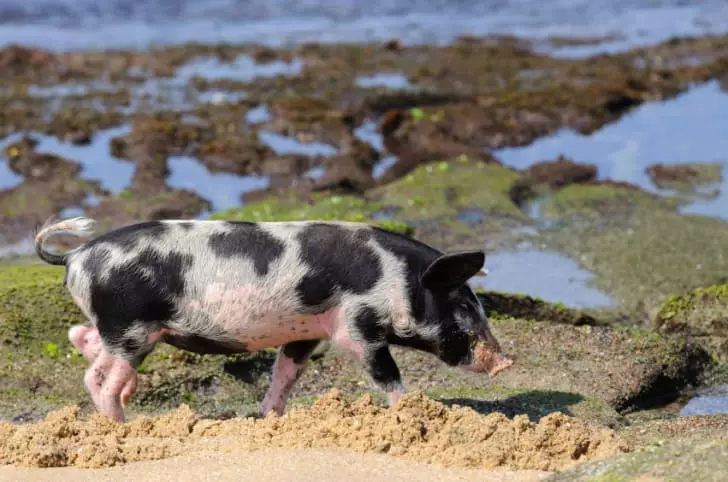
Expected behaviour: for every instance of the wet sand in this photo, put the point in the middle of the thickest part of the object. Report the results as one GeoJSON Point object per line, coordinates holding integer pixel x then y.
{"type": "Point", "coordinates": [300, 465]}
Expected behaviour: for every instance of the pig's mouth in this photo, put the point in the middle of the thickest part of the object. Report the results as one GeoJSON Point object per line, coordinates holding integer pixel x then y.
{"type": "Point", "coordinates": [487, 360]}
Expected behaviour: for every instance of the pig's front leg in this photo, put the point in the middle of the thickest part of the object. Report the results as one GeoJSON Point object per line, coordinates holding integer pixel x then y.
{"type": "Point", "coordinates": [289, 365]}
{"type": "Point", "coordinates": [366, 339]}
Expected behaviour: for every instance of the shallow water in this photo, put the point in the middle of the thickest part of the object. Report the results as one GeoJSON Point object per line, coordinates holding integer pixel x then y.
{"type": "Point", "coordinates": [368, 132]}
{"type": "Point", "coordinates": [388, 80]}
{"type": "Point", "coordinates": [78, 24]}
{"type": "Point", "coordinates": [258, 115]}
{"type": "Point", "coordinates": [8, 179]}
{"type": "Point", "coordinates": [223, 190]}
{"type": "Point", "coordinates": [95, 159]}
{"type": "Point", "coordinates": [542, 274]}
{"type": "Point", "coordinates": [283, 145]}
{"type": "Point", "coordinates": [689, 128]}
{"type": "Point", "coordinates": [244, 68]}
{"type": "Point", "coordinates": [711, 402]}
{"type": "Point", "coordinates": [716, 207]}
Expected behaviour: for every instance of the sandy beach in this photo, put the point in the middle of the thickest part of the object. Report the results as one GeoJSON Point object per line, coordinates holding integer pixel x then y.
{"type": "Point", "coordinates": [300, 465]}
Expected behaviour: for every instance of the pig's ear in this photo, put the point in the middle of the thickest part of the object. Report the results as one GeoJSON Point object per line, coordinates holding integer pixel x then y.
{"type": "Point", "coordinates": [452, 270]}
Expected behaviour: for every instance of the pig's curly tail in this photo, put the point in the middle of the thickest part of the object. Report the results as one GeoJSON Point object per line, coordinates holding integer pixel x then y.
{"type": "Point", "coordinates": [80, 226]}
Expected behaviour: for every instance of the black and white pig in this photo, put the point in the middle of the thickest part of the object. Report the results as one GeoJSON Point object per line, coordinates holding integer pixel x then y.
{"type": "Point", "coordinates": [218, 287]}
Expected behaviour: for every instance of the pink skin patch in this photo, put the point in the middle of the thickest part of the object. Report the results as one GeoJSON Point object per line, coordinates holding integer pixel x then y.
{"type": "Point", "coordinates": [259, 317]}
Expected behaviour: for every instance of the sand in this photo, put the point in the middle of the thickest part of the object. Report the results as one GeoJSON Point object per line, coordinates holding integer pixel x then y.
{"type": "Point", "coordinates": [417, 431]}
{"type": "Point", "coordinates": [282, 465]}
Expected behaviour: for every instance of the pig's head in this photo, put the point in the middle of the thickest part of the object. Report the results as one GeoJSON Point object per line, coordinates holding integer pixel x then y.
{"type": "Point", "coordinates": [464, 337]}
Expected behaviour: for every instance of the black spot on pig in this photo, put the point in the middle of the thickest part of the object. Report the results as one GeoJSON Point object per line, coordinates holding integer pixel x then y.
{"type": "Point", "coordinates": [300, 351]}
{"type": "Point", "coordinates": [383, 369]}
{"type": "Point", "coordinates": [96, 262]}
{"type": "Point", "coordinates": [415, 342]}
{"type": "Point", "coordinates": [125, 298]}
{"type": "Point", "coordinates": [416, 257]}
{"type": "Point", "coordinates": [367, 324]}
{"type": "Point", "coordinates": [338, 258]}
{"type": "Point", "coordinates": [127, 238]}
{"type": "Point", "coordinates": [250, 241]}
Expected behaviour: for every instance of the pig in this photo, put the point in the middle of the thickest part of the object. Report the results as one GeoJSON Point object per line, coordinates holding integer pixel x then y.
{"type": "Point", "coordinates": [224, 287]}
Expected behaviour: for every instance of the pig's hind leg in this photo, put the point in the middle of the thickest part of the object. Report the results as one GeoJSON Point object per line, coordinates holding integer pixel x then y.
{"type": "Point", "coordinates": [289, 365]}
{"type": "Point", "coordinates": [112, 377]}
{"type": "Point", "coordinates": [87, 341]}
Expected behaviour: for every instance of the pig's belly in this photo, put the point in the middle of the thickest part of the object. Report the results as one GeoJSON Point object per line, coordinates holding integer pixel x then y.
{"type": "Point", "coordinates": [255, 331]}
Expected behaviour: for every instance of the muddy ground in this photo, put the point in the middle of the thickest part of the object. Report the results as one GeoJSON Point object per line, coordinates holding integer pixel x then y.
{"type": "Point", "coordinates": [443, 112]}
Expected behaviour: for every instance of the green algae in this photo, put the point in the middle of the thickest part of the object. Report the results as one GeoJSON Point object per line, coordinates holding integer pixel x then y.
{"type": "Point", "coordinates": [598, 200]}
{"type": "Point", "coordinates": [332, 208]}
{"type": "Point", "coordinates": [35, 308]}
{"type": "Point", "coordinates": [674, 460]}
{"type": "Point", "coordinates": [440, 189]}
{"type": "Point", "coordinates": [37, 359]}
{"type": "Point", "coordinates": [638, 246]}
{"type": "Point", "coordinates": [436, 191]}
{"type": "Point", "coordinates": [702, 314]}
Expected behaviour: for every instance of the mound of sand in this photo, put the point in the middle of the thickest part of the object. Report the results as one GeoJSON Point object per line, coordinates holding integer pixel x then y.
{"type": "Point", "coordinates": [417, 428]}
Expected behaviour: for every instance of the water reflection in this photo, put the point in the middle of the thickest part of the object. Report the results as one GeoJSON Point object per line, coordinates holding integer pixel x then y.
{"type": "Point", "coordinates": [542, 274]}
{"type": "Point", "coordinates": [222, 190]}
{"type": "Point", "coordinates": [689, 128]}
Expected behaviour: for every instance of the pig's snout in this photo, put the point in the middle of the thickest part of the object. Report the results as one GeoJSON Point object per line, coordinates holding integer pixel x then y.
{"type": "Point", "coordinates": [487, 356]}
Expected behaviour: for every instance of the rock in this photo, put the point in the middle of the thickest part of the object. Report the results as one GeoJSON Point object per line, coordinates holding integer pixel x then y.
{"type": "Point", "coordinates": [130, 207]}
{"type": "Point", "coordinates": [561, 172]}
{"type": "Point", "coordinates": [550, 175]}
{"type": "Point", "coordinates": [685, 177]}
{"type": "Point", "coordinates": [670, 460]}
{"type": "Point", "coordinates": [522, 306]}
{"type": "Point", "coordinates": [702, 314]}
{"type": "Point", "coordinates": [627, 368]}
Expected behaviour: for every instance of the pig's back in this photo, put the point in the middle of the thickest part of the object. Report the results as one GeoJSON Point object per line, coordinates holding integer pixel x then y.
{"type": "Point", "coordinates": [211, 271]}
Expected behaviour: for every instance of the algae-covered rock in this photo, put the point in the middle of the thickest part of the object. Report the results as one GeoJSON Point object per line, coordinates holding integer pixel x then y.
{"type": "Point", "coordinates": [637, 244]}
{"type": "Point", "coordinates": [527, 307]}
{"type": "Point", "coordinates": [35, 308]}
{"type": "Point", "coordinates": [443, 188]}
{"type": "Point", "coordinates": [627, 368]}
{"type": "Point", "coordinates": [685, 177]}
{"type": "Point", "coordinates": [332, 208]}
{"type": "Point", "coordinates": [676, 460]}
{"type": "Point", "coordinates": [428, 202]}
{"type": "Point", "coordinates": [702, 314]}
